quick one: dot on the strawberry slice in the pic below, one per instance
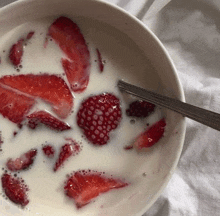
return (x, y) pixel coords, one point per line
(30, 35)
(151, 136)
(68, 36)
(140, 109)
(50, 88)
(47, 119)
(49, 151)
(23, 162)
(13, 105)
(15, 189)
(16, 53)
(98, 116)
(70, 149)
(84, 186)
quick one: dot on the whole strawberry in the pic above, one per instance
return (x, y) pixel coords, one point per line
(98, 116)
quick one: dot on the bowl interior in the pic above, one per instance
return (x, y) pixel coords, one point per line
(148, 172)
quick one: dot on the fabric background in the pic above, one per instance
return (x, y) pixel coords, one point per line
(190, 31)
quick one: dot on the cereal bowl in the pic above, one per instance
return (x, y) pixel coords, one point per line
(118, 46)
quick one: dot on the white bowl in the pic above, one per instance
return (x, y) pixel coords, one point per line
(160, 162)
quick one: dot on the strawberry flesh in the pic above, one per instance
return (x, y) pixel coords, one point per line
(23, 162)
(84, 186)
(140, 109)
(16, 53)
(69, 149)
(15, 189)
(68, 36)
(49, 151)
(49, 88)
(47, 119)
(151, 135)
(100, 62)
(13, 105)
(30, 35)
(98, 116)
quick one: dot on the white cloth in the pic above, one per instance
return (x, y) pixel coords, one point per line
(190, 30)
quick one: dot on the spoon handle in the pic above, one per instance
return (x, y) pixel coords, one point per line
(203, 116)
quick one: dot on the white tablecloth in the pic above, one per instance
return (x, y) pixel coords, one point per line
(190, 30)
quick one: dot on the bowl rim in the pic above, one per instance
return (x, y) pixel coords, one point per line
(181, 96)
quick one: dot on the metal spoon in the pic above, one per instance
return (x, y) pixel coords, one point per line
(203, 116)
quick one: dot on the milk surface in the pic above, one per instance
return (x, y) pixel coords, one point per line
(123, 60)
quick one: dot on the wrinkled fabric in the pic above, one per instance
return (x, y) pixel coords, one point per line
(190, 31)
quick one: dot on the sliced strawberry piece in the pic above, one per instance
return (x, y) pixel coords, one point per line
(68, 36)
(16, 53)
(49, 151)
(140, 109)
(50, 88)
(47, 119)
(100, 62)
(77, 80)
(130, 147)
(15, 189)
(23, 162)
(30, 35)
(98, 116)
(13, 105)
(151, 136)
(69, 149)
(84, 186)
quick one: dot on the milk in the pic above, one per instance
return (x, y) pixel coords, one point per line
(123, 60)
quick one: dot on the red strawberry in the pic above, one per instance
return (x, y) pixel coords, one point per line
(151, 136)
(68, 36)
(83, 186)
(98, 116)
(47, 119)
(30, 35)
(16, 53)
(23, 162)
(15, 189)
(49, 151)
(70, 149)
(13, 105)
(101, 65)
(140, 109)
(50, 88)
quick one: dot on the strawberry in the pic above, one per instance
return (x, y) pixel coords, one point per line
(30, 35)
(84, 186)
(47, 119)
(140, 109)
(13, 105)
(151, 135)
(49, 151)
(68, 36)
(16, 53)
(101, 65)
(15, 189)
(23, 162)
(98, 116)
(69, 149)
(50, 88)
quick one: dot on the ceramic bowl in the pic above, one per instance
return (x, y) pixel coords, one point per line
(147, 176)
